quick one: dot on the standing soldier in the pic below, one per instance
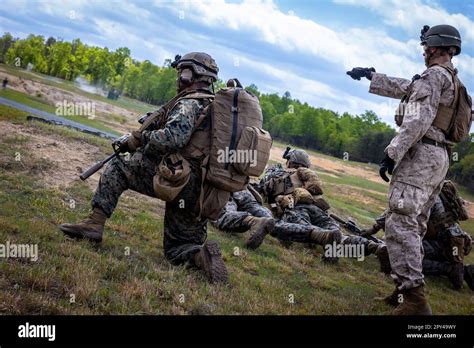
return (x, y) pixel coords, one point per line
(417, 157)
(185, 232)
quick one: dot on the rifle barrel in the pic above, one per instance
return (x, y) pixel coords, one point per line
(85, 175)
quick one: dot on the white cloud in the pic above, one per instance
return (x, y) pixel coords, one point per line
(319, 94)
(263, 20)
(151, 37)
(412, 15)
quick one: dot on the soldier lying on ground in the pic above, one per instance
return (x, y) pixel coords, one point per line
(303, 212)
(244, 213)
(445, 244)
(300, 221)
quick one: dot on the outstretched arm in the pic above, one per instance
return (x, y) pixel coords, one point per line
(386, 86)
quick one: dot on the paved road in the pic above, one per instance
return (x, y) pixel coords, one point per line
(56, 119)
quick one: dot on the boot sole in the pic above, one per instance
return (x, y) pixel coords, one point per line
(425, 311)
(256, 240)
(77, 235)
(216, 269)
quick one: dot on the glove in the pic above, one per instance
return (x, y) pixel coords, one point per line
(387, 164)
(133, 142)
(357, 73)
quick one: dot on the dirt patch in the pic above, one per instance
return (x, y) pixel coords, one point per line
(331, 166)
(69, 157)
(470, 209)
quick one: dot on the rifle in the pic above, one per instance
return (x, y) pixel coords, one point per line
(116, 145)
(353, 228)
(149, 121)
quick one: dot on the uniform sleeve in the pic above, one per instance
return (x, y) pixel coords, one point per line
(392, 87)
(420, 113)
(178, 129)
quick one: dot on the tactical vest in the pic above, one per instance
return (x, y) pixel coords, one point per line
(289, 180)
(454, 120)
(233, 117)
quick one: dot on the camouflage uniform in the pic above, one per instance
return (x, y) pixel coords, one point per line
(419, 171)
(184, 233)
(439, 256)
(240, 205)
(438, 259)
(243, 204)
(305, 217)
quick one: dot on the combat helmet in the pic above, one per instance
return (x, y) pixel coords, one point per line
(201, 63)
(299, 157)
(441, 36)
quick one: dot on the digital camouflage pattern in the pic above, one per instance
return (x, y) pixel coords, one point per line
(241, 205)
(435, 87)
(184, 233)
(420, 168)
(292, 228)
(306, 215)
(180, 125)
(439, 253)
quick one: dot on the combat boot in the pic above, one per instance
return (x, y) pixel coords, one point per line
(259, 228)
(469, 276)
(91, 228)
(393, 299)
(323, 237)
(209, 259)
(456, 275)
(414, 303)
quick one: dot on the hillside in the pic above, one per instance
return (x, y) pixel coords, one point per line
(128, 273)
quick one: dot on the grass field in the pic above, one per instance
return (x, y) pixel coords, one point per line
(128, 273)
(124, 102)
(40, 104)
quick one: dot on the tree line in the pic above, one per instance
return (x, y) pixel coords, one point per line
(355, 137)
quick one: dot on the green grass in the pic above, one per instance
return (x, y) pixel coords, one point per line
(106, 279)
(464, 192)
(124, 102)
(40, 104)
(28, 100)
(325, 156)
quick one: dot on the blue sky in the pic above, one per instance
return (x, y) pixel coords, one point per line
(302, 46)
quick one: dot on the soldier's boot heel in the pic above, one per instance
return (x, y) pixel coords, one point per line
(393, 299)
(322, 237)
(91, 228)
(414, 303)
(260, 227)
(209, 259)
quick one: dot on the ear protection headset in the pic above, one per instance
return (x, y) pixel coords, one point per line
(186, 76)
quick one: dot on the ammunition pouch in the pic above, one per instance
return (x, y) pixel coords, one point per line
(454, 251)
(445, 114)
(172, 175)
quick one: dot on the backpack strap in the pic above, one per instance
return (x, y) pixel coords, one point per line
(161, 113)
(235, 121)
